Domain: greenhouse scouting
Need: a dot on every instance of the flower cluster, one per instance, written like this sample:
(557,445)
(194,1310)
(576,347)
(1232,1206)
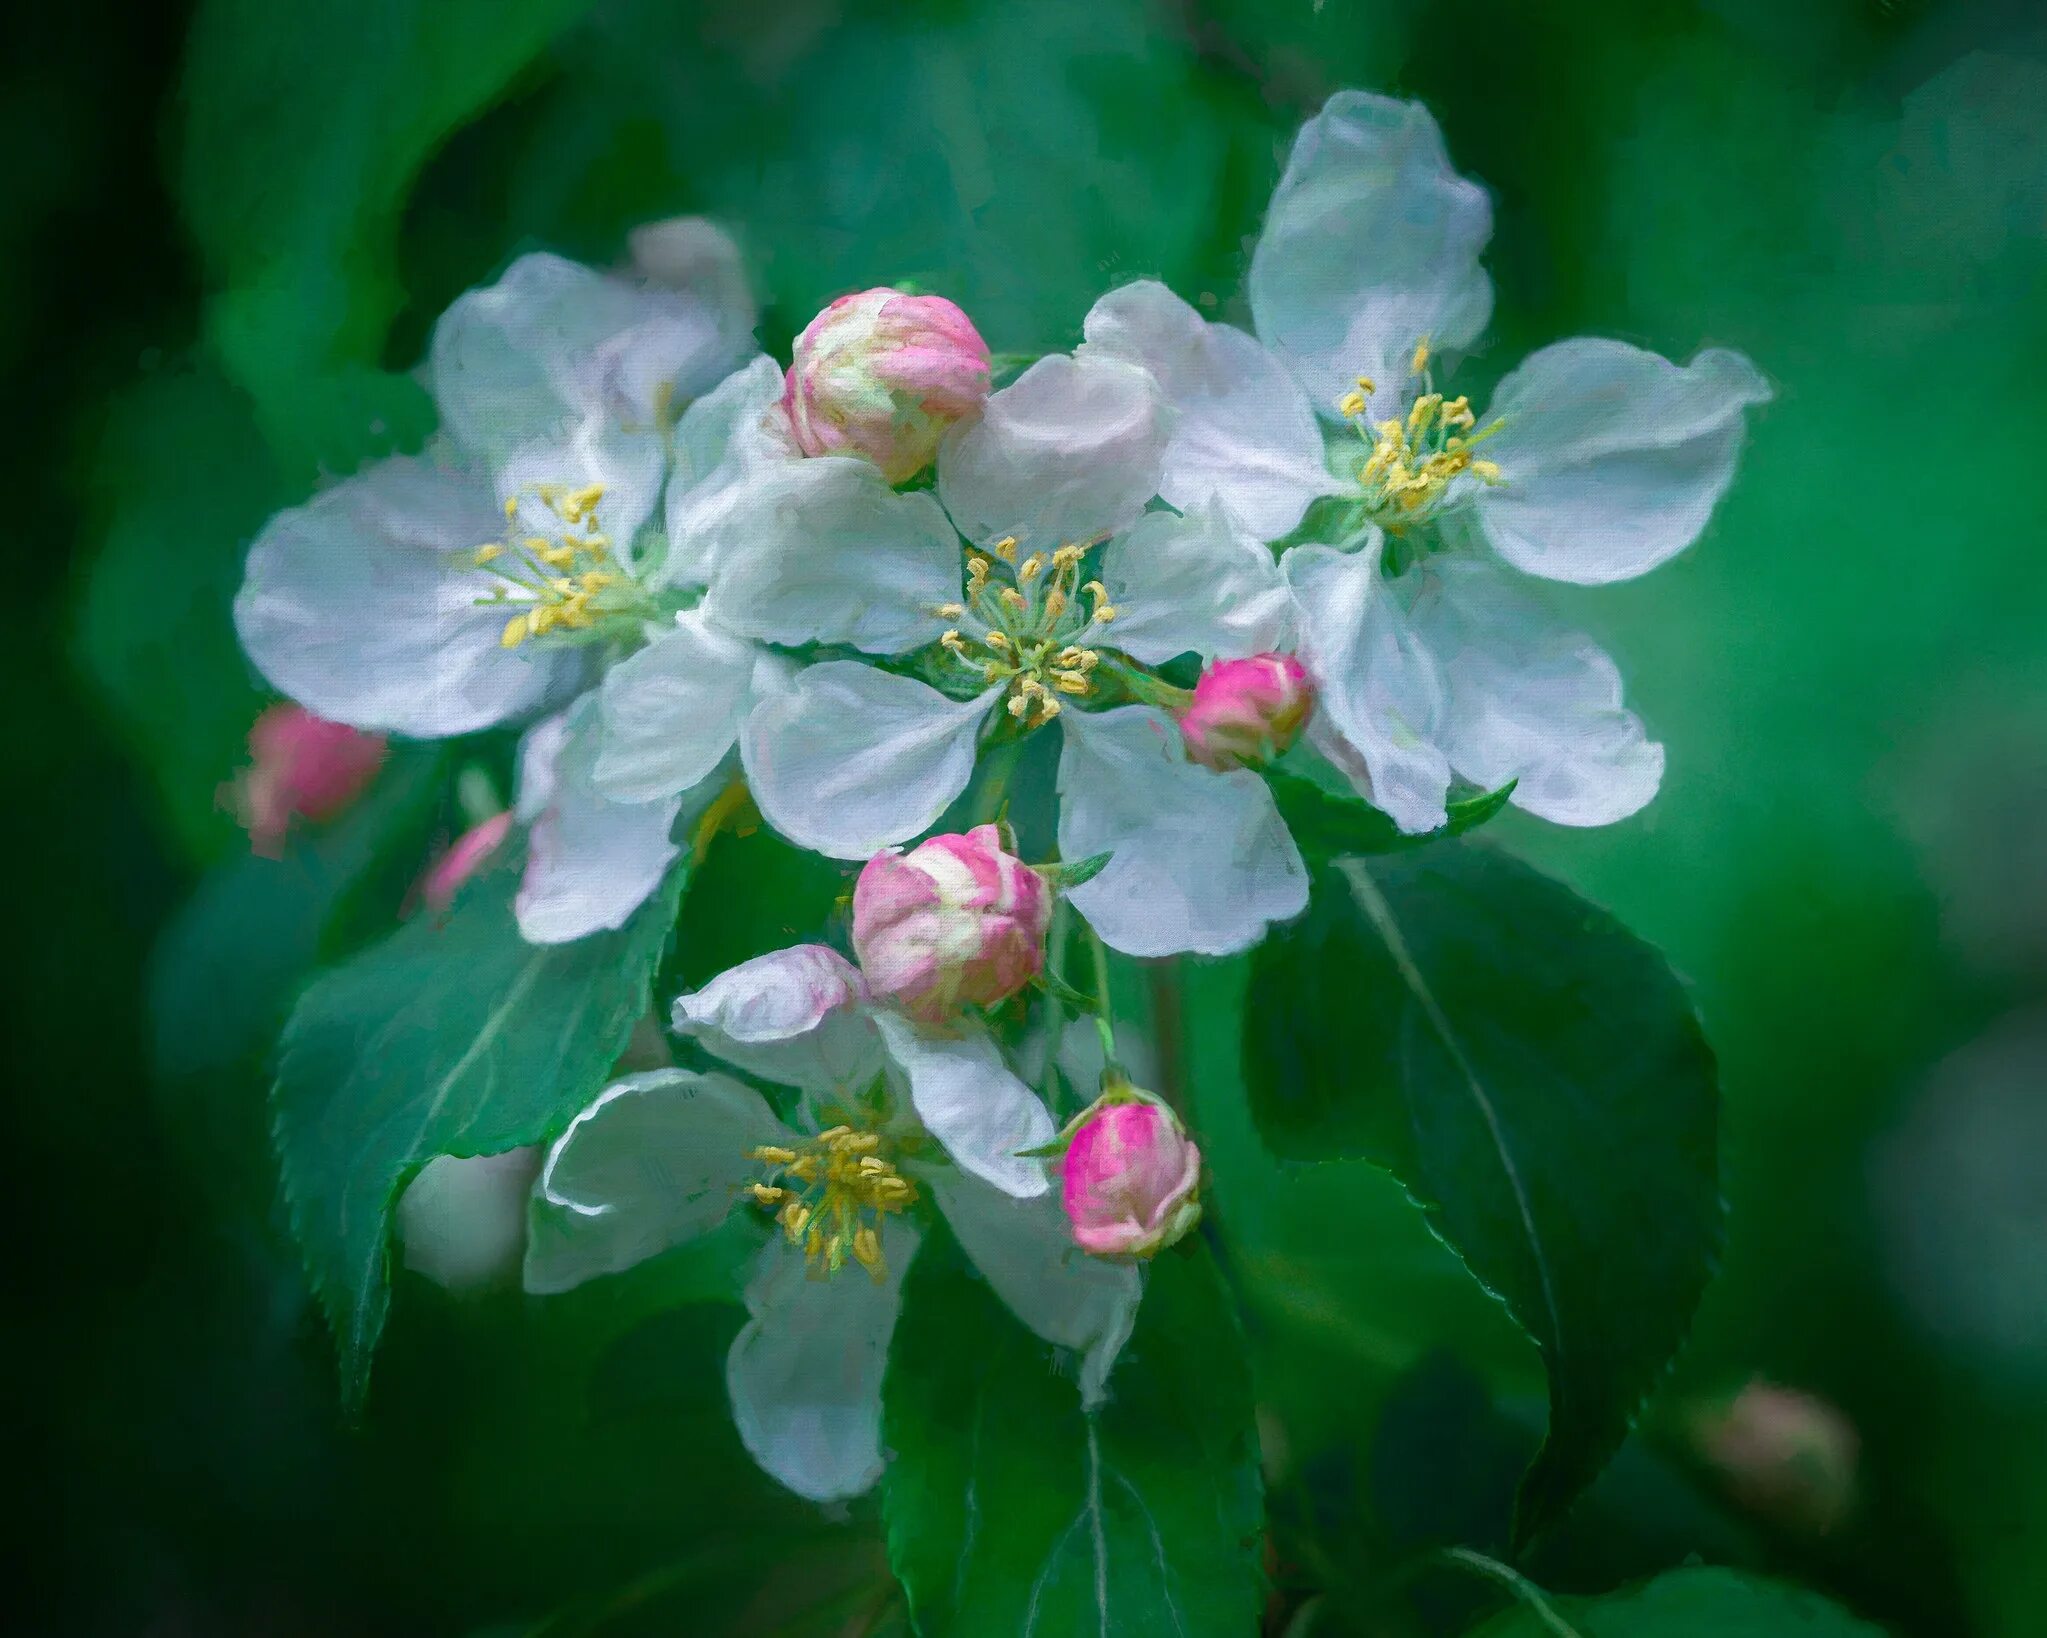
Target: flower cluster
(886,596)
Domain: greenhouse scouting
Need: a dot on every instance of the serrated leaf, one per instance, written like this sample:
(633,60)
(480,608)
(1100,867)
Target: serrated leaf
(1328,825)
(1701,1603)
(1534,1075)
(1010,1509)
(454,1036)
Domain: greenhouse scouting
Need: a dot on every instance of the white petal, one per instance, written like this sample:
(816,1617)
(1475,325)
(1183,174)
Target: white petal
(1531,700)
(851,760)
(970,1101)
(723,441)
(1613,457)
(363,605)
(462,1220)
(695,255)
(672,711)
(590,862)
(1200,861)
(522,361)
(1379,704)
(805,1372)
(792,1016)
(1070,450)
(656,1160)
(1025,1250)
(823,551)
(1197,583)
(1371,243)
(1243,431)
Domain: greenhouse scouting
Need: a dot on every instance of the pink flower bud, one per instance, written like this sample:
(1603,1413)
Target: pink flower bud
(300,767)
(463,857)
(956,919)
(1129,1177)
(1246,712)
(882,375)
(1786,1456)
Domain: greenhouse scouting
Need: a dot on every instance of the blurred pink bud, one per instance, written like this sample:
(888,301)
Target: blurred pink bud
(1246,712)
(956,919)
(1786,1456)
(462,858)
(883,375)
(1129,1178)
(300,767)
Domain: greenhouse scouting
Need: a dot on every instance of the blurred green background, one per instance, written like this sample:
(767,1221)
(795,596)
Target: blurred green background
(227,230)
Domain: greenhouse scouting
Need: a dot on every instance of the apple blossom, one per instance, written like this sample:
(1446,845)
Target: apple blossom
(1595,462)
(893,1116)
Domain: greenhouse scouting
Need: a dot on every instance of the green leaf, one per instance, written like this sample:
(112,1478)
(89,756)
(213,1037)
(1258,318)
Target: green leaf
(454,1036)
(1701,1603)
(305,128)
(1329,825)
(1011,1510)
(1064,877)
(1535,1077)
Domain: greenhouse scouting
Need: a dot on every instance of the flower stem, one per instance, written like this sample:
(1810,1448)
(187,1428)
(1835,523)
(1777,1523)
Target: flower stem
(1538,1601)
(1104,1025)
(998,767)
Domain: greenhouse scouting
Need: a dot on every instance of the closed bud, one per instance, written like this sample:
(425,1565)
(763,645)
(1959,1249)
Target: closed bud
(1786,1456)
(882,375)
(464,856)
(1130,1178)
(300,767)
(1246,712)
(957,919)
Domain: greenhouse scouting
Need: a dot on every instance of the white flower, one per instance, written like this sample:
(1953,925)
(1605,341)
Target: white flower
(662,1158)
(496,576)
(1596,462)
(852,758)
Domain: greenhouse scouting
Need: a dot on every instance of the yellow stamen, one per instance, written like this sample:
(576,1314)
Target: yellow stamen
(490,552)
(1030,568)
(1351,404)
(1005,548)
(950,611)
(515,631)
(1421,357)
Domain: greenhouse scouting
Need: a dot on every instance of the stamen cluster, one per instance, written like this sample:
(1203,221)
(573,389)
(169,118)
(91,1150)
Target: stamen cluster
(567,579)
(832,1192)
(1029,625)
(1414,460)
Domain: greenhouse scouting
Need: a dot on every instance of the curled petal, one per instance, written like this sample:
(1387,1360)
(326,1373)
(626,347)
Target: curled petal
(823,551)
(805,1372)
(366,606)
(1613,458)
(792,1016)
(1243,432)
(850,760)
(590,861)
(1533,701)
(971,1102)
(1379,690)
(1195,584)
(1372,243)
(1069,451)
(656,1160)
(1026,1252)
(1199,861)
(671,712)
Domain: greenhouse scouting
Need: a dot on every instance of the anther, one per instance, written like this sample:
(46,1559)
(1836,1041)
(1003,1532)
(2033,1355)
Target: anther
(1005,548)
